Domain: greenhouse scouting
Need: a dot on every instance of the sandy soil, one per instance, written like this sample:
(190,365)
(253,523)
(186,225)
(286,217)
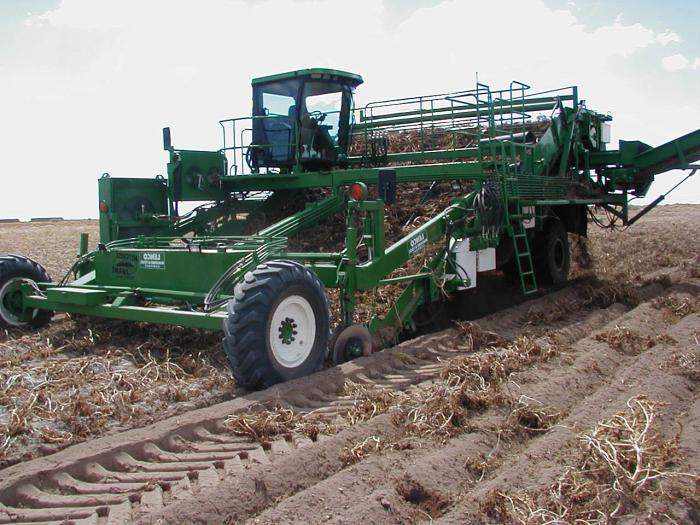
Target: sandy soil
(581,405)
(79,378)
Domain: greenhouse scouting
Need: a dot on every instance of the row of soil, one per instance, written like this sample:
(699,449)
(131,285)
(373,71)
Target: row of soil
(510,397)
(188,452)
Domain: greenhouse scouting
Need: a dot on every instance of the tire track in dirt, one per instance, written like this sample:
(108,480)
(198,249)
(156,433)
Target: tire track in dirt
(568,384)
(138,474)
(316,474)
(360,481)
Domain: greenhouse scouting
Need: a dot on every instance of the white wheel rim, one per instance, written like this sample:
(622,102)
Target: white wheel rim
(292,331)
(8,315)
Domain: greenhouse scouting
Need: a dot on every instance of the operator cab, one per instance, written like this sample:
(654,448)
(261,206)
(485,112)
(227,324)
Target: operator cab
(302,118)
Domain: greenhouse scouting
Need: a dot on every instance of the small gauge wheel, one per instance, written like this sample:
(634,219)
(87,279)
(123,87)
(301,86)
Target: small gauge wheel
(349,343)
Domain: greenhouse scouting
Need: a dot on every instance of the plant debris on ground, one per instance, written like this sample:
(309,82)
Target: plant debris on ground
(620,462)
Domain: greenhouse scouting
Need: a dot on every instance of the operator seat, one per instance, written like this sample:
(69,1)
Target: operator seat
(280,134)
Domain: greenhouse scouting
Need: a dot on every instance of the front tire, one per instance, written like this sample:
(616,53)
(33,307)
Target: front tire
(277,326)
(13,270)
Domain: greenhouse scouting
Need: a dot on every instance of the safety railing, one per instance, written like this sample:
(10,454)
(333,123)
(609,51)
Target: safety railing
(314,136)
(454,120)
(238,144)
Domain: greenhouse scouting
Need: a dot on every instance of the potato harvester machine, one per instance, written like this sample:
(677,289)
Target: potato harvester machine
(525,168)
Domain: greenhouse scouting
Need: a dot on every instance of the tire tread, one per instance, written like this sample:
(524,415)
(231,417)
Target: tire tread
(13,265)
(244,326)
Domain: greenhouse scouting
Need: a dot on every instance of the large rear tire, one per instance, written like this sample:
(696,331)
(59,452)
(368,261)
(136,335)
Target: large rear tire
(14,269)
(551,254)
(278,325)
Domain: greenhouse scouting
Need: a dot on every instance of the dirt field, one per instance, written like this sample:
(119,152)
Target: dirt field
(580,406)
(80,378)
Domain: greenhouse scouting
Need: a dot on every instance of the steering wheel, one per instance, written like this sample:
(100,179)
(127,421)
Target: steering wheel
(318,116)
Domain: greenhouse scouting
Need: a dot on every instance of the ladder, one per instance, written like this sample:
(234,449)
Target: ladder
(506,173)
(523,257)
(516,229)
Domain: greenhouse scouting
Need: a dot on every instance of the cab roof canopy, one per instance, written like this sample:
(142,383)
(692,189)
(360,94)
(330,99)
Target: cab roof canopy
(316,73)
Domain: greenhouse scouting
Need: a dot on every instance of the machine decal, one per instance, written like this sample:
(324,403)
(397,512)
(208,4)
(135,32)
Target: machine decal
(125,264)
(417,244)
(152,261)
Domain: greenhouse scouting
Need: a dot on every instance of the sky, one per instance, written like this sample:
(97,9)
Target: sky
(87,85)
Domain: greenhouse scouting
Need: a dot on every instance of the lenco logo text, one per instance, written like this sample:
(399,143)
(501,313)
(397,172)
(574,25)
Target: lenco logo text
(152,261)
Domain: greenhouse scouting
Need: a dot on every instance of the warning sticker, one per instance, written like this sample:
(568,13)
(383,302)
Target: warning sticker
(152,261)
(124,264)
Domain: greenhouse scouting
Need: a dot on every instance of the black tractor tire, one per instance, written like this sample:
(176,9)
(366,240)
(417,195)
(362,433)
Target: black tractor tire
(552,257)
(510,271)
(274,308)
(505,259)
(13,268)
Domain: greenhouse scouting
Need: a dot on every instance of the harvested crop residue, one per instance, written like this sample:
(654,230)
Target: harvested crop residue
(578,405)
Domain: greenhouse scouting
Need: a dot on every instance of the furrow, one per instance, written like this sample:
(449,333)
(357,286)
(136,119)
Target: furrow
(141,473)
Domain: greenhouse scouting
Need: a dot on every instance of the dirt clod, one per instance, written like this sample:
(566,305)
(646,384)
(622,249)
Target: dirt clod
(431,502)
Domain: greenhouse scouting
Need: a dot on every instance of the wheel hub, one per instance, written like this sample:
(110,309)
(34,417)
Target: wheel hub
(287,330)
(292,331)
(350,342)
(353,348)
(11,302)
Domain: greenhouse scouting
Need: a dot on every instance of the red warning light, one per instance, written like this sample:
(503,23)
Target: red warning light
(103,207)
(358,191)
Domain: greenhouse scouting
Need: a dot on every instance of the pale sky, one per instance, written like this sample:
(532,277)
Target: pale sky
(87,85)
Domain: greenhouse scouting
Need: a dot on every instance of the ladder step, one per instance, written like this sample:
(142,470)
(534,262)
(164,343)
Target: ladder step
(523,257)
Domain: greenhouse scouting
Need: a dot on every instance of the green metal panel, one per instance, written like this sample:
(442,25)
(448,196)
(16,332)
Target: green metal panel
(159,268)
(131,205)
(675,153)
(85,297)
(195,175)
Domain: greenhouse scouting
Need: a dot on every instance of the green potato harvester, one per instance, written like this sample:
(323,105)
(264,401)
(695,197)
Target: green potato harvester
(208,246)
